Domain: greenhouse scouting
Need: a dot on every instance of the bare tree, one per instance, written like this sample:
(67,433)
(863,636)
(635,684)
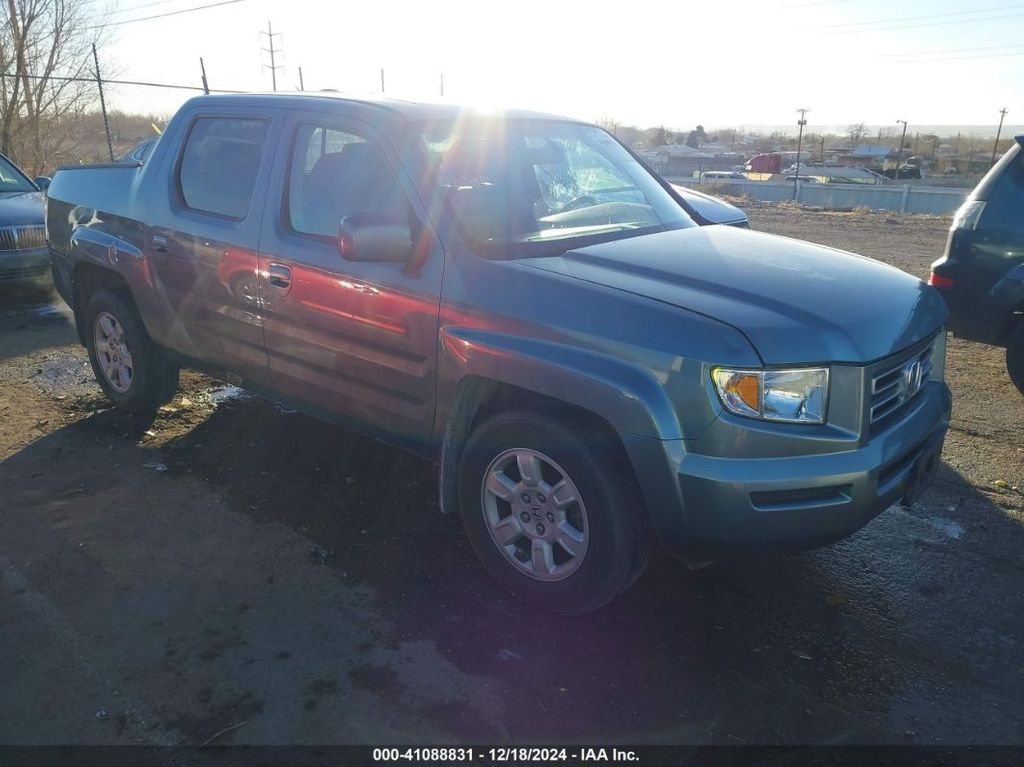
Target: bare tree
(856,132)
(44,46)
(610,124)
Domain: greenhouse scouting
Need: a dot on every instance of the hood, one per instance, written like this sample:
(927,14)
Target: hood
(798,303)
(714,209)
(22,209)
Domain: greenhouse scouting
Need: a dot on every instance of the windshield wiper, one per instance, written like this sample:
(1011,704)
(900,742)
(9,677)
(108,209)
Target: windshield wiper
(555,234)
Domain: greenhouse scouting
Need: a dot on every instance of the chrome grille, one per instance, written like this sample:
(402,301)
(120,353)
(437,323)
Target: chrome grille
(22,237)
(899,383)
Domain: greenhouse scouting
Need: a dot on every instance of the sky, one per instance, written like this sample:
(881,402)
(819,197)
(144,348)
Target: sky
(733,63)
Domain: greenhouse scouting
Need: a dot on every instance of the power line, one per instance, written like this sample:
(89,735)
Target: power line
(795,6)
(131,8)
(970,49)
(960,58)
(120,82)
(98,16)
(919,26)
(165,15)
(918,18)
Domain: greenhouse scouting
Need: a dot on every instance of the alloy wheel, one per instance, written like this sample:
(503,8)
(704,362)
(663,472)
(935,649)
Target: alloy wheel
(535,514)
(112,352)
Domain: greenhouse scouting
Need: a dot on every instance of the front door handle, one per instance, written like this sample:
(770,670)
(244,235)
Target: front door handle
(279,276)
(159,243)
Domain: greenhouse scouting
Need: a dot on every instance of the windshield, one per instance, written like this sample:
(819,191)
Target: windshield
(534,187)
(11,180)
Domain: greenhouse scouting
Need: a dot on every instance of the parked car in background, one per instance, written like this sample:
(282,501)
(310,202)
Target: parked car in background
(714,210)
(23,253)
(139,152)
(516,297)
(981,274)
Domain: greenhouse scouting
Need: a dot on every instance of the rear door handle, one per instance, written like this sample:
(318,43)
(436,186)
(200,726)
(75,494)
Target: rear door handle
(279,275)
(159,243)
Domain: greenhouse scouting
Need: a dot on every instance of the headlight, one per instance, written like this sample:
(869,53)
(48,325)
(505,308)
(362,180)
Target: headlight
(796,396)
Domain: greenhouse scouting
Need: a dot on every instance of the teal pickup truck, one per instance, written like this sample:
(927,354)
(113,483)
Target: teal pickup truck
(517,297)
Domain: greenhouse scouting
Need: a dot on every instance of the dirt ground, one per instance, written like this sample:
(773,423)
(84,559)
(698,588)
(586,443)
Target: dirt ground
(240,572)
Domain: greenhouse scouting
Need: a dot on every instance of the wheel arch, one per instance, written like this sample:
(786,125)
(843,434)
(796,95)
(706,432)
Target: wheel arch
(88,277)
(485,373)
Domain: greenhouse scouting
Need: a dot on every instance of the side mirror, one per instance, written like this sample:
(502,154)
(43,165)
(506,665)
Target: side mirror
(374,237)
(43,182)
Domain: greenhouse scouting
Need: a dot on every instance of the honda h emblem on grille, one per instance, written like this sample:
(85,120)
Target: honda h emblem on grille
(913,373)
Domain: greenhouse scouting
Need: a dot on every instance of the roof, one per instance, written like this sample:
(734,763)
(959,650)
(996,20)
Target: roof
(867,150)
(412,111)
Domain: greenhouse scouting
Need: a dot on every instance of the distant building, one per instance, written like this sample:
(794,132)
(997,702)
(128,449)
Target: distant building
(871,152)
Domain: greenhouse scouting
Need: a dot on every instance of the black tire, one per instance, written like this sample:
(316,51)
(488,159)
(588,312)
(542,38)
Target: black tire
(1015,357)
(154,379)
(618,540)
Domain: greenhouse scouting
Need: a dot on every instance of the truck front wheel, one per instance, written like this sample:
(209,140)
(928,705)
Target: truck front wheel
(128,366)
(552,511)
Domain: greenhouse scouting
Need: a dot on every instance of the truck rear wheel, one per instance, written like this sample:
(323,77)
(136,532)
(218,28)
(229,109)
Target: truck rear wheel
(552,511)
(128,366)
(1015,357)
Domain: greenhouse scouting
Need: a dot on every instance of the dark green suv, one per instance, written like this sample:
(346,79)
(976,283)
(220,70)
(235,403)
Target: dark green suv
(981,274)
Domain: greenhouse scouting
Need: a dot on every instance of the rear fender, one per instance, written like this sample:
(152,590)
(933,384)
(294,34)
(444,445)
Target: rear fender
(1009,293)
(91,242)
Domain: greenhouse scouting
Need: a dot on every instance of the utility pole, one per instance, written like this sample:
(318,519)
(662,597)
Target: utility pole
(273,67)
(202,68)
(302,85)
(442,85)
(382,79)
(823,147)
(799,144)
(995,147)
(103,103)
(899,154)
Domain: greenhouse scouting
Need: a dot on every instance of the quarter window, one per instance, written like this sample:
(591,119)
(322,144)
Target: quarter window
(336,174)
(220,163)
(1004,210)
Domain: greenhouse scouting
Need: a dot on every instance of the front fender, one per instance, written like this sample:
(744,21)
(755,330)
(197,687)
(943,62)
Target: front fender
(625,395)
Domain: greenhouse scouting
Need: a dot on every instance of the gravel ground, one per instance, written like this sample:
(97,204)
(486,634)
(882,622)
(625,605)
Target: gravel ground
(238,571)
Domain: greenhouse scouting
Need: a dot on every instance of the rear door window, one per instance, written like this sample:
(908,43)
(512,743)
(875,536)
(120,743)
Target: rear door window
(220,163)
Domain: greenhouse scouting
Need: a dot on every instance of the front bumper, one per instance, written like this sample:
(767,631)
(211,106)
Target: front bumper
(18,265)
(724,507)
